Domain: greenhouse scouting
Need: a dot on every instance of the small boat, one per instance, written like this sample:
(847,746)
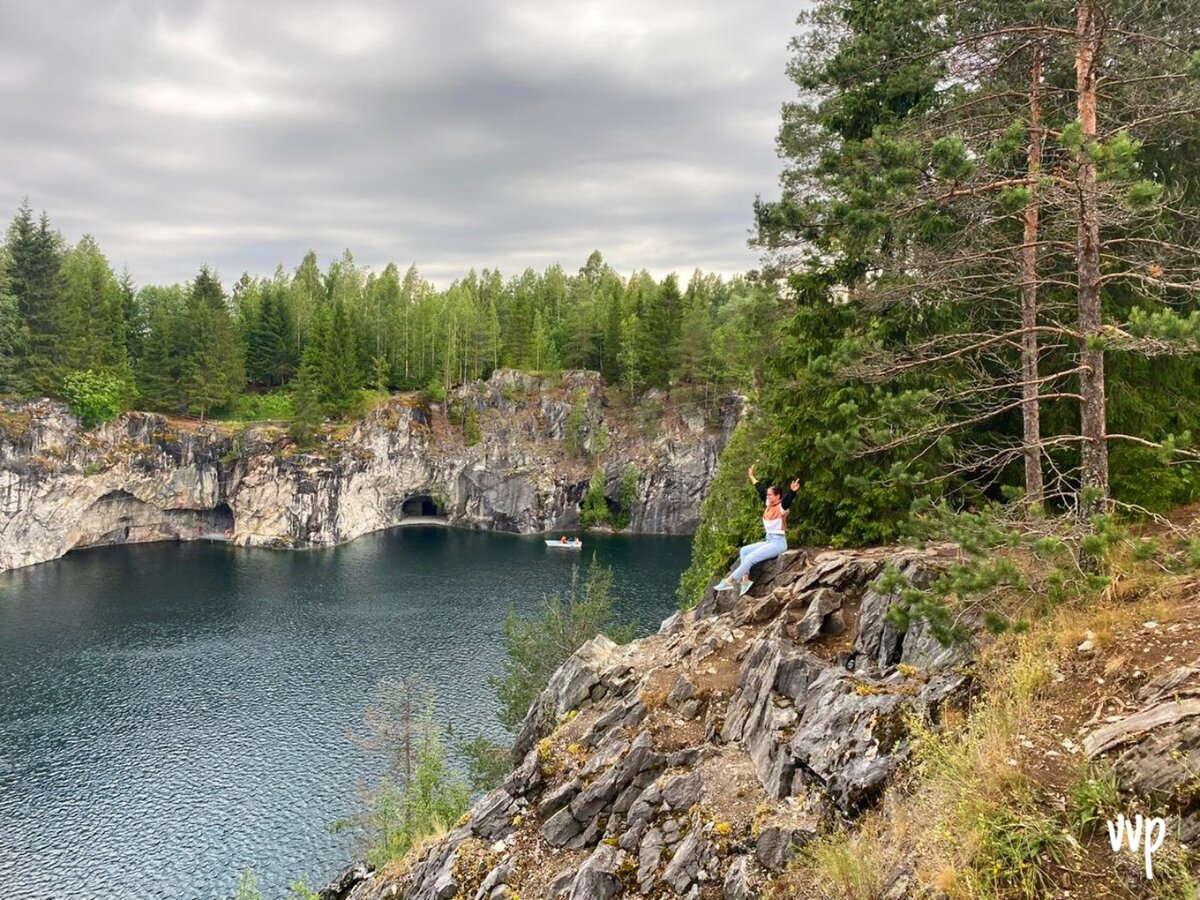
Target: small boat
(569,545)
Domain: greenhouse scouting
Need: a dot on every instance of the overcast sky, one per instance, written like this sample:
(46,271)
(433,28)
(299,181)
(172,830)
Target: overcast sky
(452,133)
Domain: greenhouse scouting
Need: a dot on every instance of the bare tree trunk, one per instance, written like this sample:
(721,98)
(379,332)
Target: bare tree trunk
(1030,412)
(1093,427)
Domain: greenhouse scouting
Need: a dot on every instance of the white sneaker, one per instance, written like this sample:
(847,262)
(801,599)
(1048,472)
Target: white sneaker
(743,587)
(724,585)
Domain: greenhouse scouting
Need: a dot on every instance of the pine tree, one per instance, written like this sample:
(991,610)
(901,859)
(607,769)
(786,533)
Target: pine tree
(214,363)
(12,335)
(306,406)
(34,258)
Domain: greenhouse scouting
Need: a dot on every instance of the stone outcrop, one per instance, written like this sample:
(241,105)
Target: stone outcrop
(147,477)
(698,761)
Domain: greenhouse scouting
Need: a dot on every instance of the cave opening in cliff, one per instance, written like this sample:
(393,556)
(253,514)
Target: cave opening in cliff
(421,505)
(220,518)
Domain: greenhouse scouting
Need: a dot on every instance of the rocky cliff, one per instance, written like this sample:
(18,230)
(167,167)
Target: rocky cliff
(695,762)
(698,762)
(514,453)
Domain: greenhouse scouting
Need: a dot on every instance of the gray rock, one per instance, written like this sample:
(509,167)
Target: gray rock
(559,797)
(495,880)
(682,792)
(588,837)
(776,846)
(493,815)
(738,884)
(560,828)
(682,690)
(569,686)
(649,857)
(684,866)
(835,624)
(593,799)
(1158,765)
(597,878)
(346,880)
(690,709)
(560,884)
(849,742)
(821,603)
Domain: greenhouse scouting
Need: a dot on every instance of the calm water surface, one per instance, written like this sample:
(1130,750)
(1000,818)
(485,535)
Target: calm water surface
(172,714)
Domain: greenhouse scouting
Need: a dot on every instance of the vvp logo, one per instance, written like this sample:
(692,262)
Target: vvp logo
(1149,833)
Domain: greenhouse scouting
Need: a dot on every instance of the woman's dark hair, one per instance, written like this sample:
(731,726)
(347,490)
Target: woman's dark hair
(776,489)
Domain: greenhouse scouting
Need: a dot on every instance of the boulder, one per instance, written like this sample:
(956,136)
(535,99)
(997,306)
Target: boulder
(597,878)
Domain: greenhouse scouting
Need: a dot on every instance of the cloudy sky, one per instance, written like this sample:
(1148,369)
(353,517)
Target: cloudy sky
(449,133)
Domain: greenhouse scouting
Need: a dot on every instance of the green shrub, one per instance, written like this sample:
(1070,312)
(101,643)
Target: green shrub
(577,425)
(487,761)
(730,514)
(95,397)
(421,795)
(275,406)
(248,888)
(435,391)
(539,645)
(1019,846)
(594,508)
(1094,800)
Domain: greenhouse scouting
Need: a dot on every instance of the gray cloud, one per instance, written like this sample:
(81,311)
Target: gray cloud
(453,134)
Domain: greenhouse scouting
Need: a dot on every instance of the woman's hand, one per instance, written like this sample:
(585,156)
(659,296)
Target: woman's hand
(795,485)
(750,472)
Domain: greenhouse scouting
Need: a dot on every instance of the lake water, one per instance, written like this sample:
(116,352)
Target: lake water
(172,714)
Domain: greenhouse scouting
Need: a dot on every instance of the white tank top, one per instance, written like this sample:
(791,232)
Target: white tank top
(774,526)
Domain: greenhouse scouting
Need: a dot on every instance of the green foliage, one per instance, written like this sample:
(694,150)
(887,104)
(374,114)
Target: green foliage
(729,514)
(95,397)
(248,887)
(421,795)
(299,890)
(471,429)
(594,507)
(306,408)
(1094,799)
(435,392)
(631,477)
(537,646)
(275,406)
(1019,848)
(578,426)
(488,763)
(213,364)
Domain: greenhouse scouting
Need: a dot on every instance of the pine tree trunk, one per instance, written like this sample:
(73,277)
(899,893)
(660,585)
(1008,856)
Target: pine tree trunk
(1093,427)
(1030,413)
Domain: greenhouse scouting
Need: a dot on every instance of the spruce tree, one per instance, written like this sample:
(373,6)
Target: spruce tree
(214,363)
(34,258)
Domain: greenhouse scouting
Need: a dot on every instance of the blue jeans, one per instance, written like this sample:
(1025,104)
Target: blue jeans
(756,553)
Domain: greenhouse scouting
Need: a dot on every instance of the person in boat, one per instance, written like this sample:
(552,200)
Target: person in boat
(577,542)
(563,539)
(774,524)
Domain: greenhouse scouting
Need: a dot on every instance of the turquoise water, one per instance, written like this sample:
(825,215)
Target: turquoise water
(172,714)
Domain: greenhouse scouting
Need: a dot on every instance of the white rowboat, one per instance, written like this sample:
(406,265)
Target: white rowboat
(570,545)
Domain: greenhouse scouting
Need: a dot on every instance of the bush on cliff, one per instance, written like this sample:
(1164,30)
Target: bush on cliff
(421,795)
(539,645)
(95,397)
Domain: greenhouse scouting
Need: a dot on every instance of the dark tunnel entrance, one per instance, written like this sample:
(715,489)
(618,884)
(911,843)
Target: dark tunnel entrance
(421,505)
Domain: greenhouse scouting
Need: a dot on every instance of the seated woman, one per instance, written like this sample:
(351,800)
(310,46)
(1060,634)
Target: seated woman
(774,524)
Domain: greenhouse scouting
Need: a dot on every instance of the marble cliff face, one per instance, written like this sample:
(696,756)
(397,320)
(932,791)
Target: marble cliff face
(523,466)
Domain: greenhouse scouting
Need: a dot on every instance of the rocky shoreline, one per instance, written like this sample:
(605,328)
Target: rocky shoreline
(147,477)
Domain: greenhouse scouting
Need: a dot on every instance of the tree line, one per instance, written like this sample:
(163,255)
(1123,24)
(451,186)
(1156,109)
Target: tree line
(989,230)
(326,334)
